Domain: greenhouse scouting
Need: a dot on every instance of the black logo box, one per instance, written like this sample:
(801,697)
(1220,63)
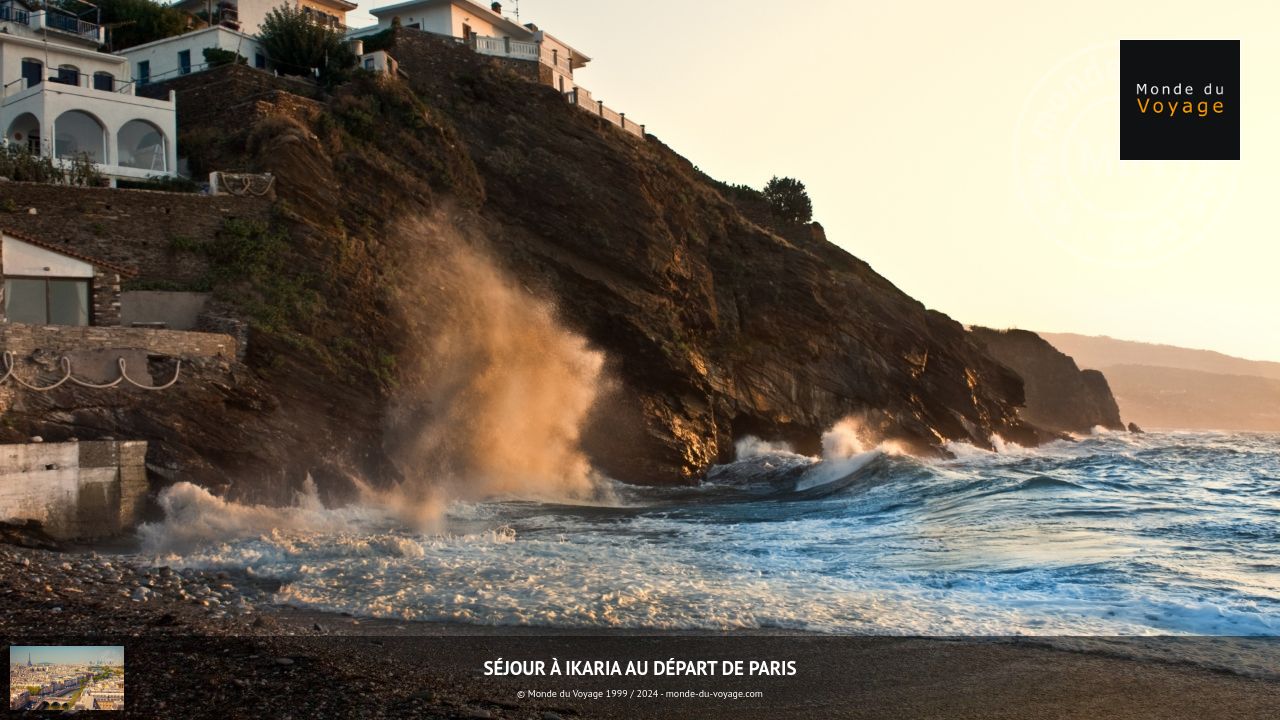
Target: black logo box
(1194,63)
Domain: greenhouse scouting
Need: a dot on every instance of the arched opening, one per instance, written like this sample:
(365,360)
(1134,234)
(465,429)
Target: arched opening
(139,144)
(104,81)
(24,131)
(77,132)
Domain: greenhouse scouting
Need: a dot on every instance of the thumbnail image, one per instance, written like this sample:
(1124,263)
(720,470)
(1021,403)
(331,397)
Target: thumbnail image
(66,677)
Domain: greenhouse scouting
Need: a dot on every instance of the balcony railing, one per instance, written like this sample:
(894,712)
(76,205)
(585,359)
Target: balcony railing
(69,24)
(9,13)
(505,47)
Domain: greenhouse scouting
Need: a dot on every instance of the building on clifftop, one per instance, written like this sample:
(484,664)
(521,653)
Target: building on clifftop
(62,98)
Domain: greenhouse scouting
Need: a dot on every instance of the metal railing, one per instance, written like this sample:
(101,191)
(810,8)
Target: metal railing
(69,23)
(9,13)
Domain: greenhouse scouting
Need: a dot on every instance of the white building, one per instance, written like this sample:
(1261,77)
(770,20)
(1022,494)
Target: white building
(488,31)
(172,57)
(62,97)
(247,15)
(234,28)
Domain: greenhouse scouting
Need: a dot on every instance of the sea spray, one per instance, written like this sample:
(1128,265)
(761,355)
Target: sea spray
(491,396)
(493,392)
(193,517)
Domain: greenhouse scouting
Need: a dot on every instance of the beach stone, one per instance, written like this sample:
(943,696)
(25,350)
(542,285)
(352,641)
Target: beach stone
(284,661)
(476,713)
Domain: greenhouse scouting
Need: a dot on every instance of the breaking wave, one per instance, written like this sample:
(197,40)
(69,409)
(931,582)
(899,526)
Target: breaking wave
(1112,535)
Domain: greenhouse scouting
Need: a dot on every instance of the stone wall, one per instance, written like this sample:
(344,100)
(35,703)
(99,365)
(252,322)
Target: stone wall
(213,92)
(23,340)
(141,229)
(75,490)
(106,298)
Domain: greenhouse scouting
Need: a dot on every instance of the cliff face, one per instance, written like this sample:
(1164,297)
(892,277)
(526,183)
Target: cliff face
(714,322)
(1060,396)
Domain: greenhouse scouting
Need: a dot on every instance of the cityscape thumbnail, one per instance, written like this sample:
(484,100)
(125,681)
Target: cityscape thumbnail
(66,677)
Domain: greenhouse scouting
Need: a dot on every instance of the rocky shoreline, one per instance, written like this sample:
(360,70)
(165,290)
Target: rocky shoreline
(211,644)
(205,644)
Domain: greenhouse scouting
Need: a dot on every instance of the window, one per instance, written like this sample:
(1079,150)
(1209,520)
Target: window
(260,61)
(369,64)
(68,75)
(32,71)
(184,62)
(47,301)
(104,81)
(144,72)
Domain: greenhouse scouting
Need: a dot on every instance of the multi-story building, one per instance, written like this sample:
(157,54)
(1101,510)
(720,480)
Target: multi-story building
(60,97)
(489,32)
(247,15)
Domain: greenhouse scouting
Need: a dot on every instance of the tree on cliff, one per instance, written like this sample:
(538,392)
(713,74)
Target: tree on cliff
(135,22)
(789,200)
(298,46)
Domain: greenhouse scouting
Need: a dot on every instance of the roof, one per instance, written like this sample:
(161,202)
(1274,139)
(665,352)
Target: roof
(489,15)
(187,36)
(62,250)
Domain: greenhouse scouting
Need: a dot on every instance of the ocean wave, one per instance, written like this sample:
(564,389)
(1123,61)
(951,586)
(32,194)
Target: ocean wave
(1109,535)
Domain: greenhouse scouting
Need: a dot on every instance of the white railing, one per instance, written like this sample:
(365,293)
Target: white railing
(532,51)
(581,97)
(553,59)
(506,47)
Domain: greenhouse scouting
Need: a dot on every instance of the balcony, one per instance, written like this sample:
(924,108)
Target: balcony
(522,50)
(12,13)
(65,22)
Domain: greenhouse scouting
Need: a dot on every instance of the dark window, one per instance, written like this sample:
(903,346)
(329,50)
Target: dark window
(184,62)
(144,72)
(32,72)
(259,60)
(47,301)
(68,75)
(104,81)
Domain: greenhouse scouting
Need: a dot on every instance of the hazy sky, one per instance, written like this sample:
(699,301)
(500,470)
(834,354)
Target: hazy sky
(969,151)
(66,654)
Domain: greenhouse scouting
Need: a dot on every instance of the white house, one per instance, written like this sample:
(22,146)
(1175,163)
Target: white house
(234,27)
(172,57)
(488,31)
(247,15)
(62,97)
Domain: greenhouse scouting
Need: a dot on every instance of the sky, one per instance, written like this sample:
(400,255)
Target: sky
(66,654)
(969,151)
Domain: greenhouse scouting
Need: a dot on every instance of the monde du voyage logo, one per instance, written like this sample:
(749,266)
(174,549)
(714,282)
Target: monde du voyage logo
(1179,99)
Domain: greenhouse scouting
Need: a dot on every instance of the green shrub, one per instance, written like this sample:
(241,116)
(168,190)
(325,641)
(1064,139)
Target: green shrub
(297,46)
(19,163)
(217,57)
(788,200)
(136,22)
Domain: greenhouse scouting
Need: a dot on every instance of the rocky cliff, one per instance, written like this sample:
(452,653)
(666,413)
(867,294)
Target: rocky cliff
(713,322)
(1060,396)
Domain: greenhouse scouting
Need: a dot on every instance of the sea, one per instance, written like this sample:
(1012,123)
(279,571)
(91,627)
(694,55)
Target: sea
(1110,534)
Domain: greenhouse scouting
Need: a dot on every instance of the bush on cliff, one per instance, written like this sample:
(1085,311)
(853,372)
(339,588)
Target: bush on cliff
(789,200)
(298,46)
(135,22)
